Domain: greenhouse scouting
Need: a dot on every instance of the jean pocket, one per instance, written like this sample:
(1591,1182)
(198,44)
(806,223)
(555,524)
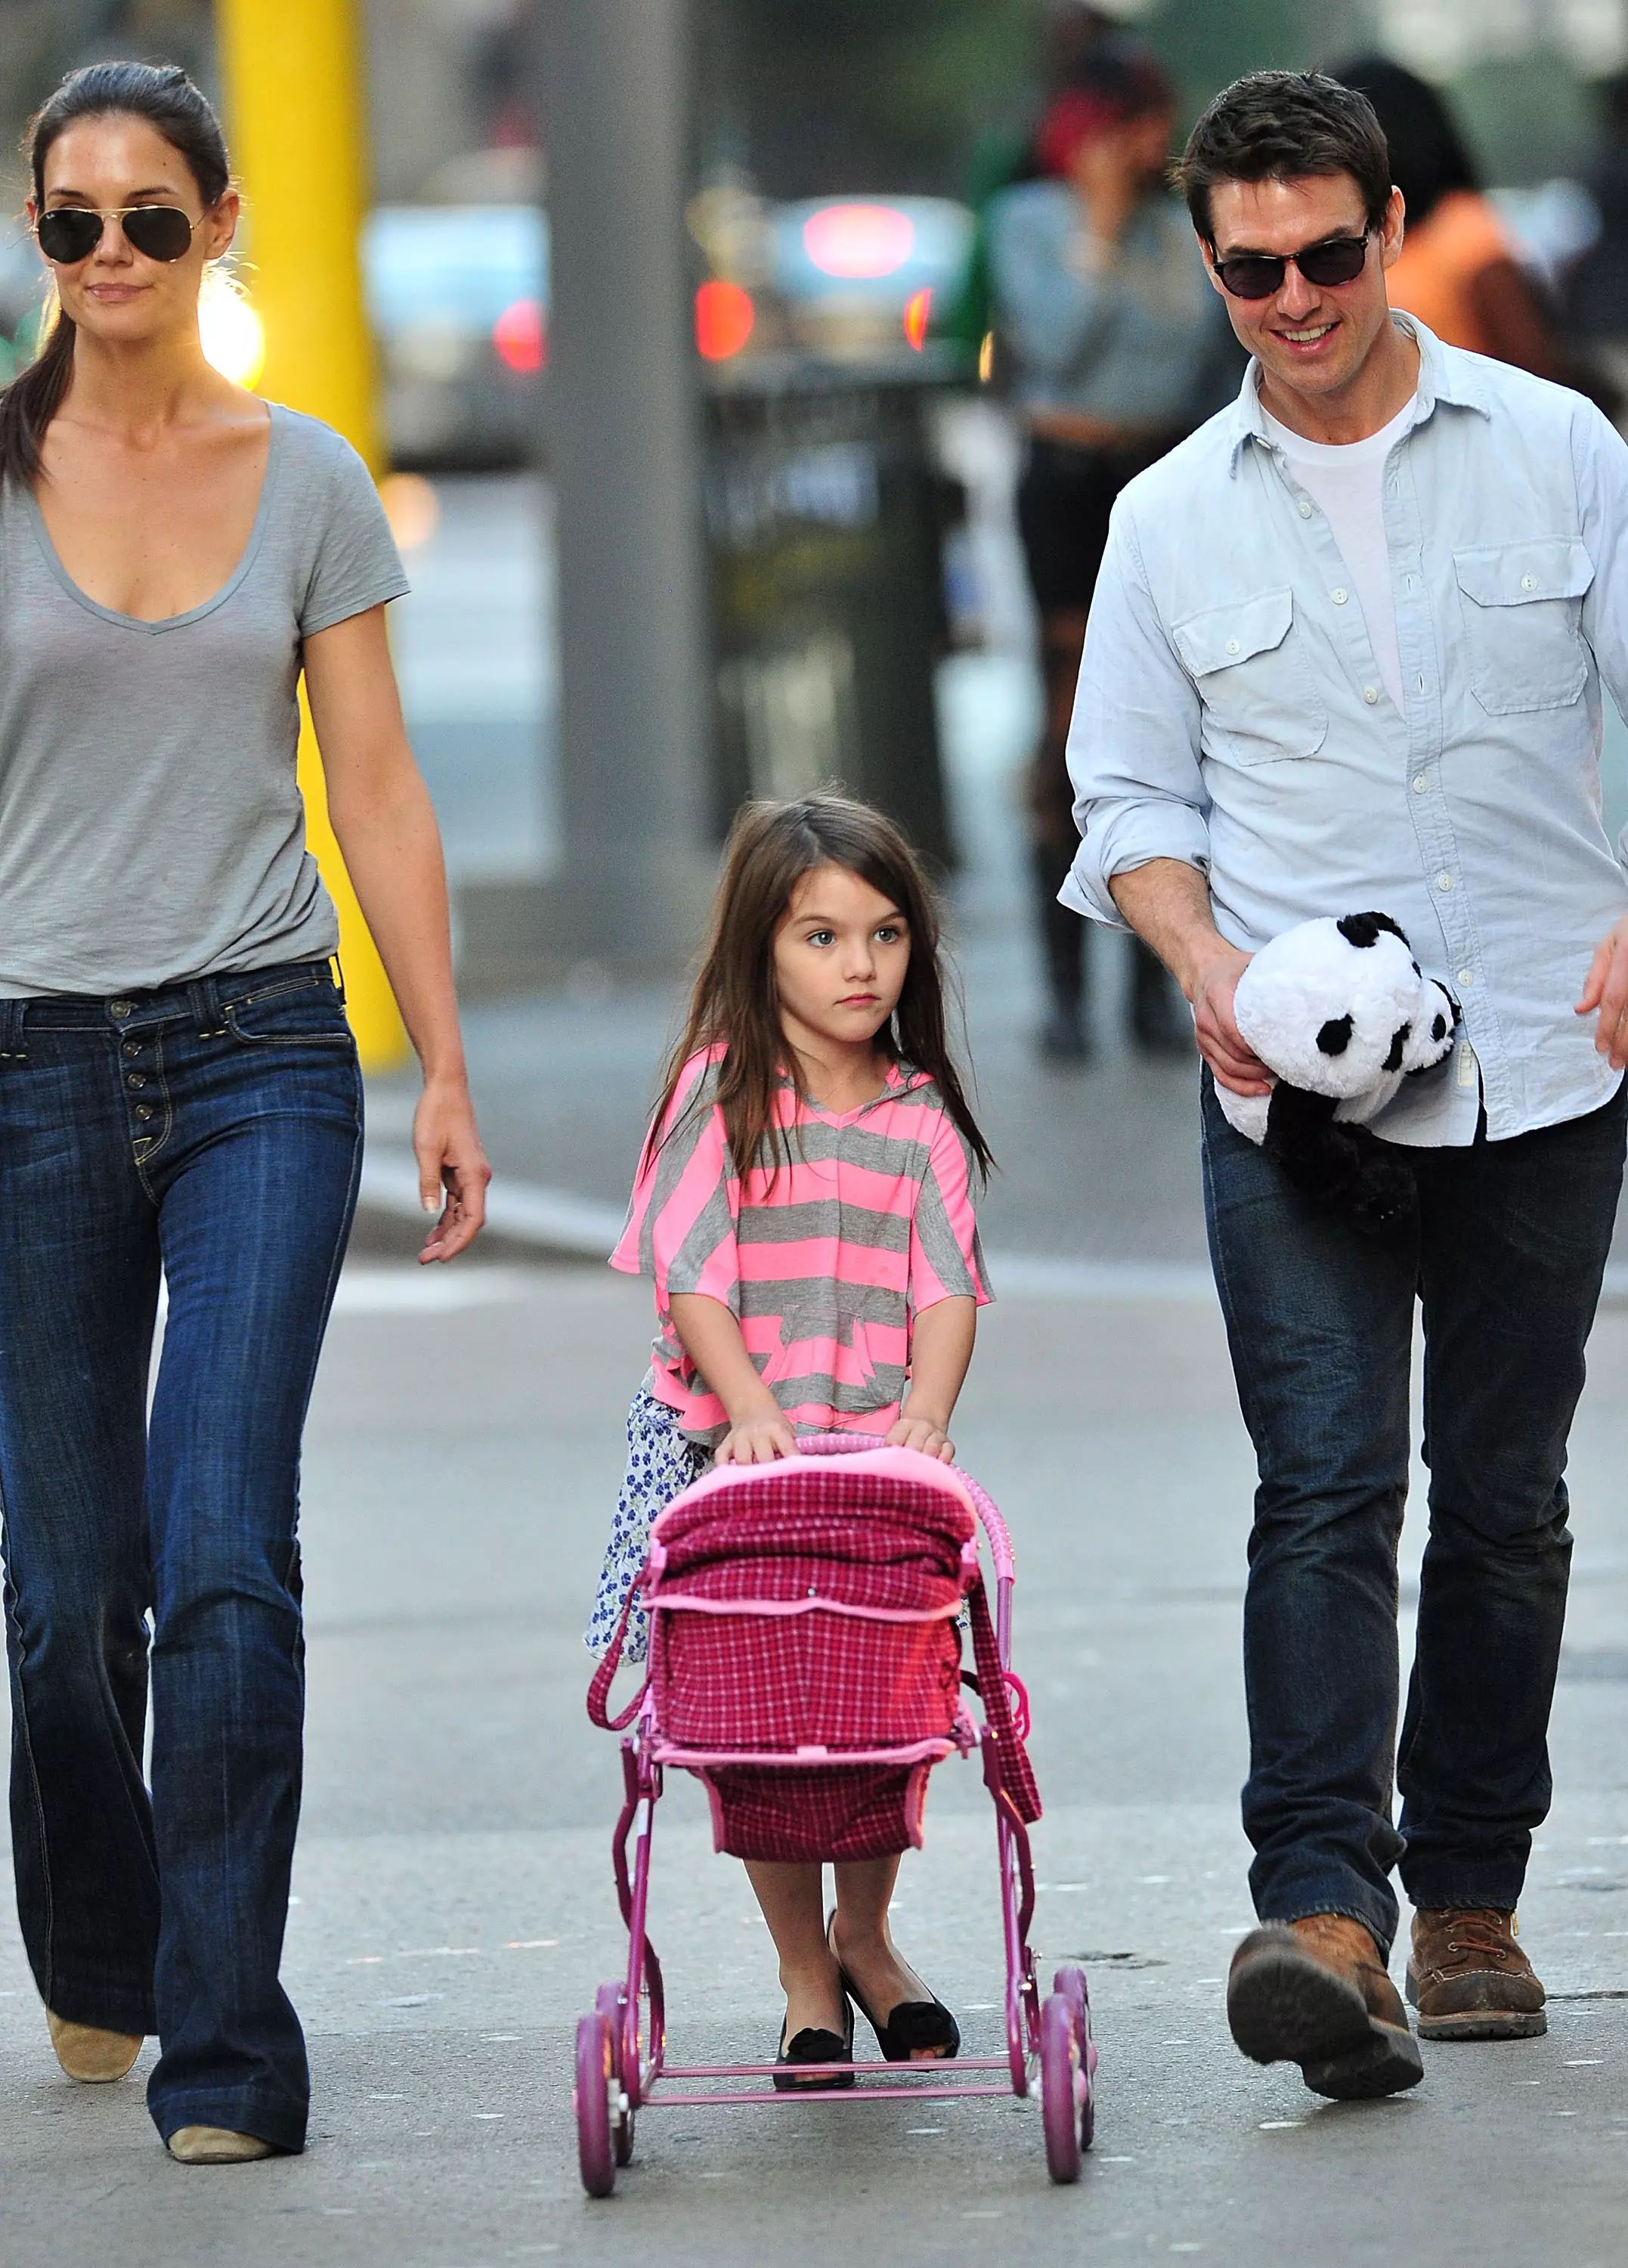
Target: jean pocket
(1250,665)
(308,1014)
(1522,607)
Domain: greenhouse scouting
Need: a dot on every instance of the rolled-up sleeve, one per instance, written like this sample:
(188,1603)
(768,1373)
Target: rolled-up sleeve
(1134,741)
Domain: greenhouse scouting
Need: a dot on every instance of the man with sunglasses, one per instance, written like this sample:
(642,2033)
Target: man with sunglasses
(1347,652)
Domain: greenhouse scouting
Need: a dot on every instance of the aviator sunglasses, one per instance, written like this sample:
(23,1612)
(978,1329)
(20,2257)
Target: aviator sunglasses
(70,233)
(1259,275)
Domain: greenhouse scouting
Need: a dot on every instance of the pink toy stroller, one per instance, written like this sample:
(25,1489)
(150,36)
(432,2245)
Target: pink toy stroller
(805,1666)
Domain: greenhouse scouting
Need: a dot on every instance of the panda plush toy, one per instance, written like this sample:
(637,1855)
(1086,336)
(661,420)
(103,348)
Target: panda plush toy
(1341,1013)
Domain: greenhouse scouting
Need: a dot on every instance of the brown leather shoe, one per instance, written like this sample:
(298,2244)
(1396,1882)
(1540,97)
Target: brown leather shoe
(86,2052)
(217,2145)
(1469,1980)
(1317,1993)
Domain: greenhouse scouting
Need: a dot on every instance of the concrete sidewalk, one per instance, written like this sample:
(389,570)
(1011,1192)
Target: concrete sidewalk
(456,1909)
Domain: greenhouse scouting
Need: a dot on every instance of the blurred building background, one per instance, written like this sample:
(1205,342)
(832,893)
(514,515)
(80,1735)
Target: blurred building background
(852,459)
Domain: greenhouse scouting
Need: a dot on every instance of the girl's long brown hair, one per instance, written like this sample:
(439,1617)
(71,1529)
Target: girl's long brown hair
(771,847)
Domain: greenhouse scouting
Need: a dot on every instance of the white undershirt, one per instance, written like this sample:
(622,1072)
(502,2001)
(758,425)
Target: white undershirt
(1347,480)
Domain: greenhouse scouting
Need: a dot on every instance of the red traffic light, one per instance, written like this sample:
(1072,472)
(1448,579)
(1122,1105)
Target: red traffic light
(517,336)
(724,317)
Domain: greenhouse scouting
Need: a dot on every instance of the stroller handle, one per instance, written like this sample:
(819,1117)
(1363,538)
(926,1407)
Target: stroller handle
(837,1445)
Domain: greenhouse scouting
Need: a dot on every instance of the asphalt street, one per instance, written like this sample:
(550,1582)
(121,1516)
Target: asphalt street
(455,1909)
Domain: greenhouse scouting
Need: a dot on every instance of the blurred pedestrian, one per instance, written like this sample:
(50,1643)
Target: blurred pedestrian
(179,1101)
(1071,32)
(1347,654)
(1101,304)
(1596,284)
(1458,269)
(829,1283)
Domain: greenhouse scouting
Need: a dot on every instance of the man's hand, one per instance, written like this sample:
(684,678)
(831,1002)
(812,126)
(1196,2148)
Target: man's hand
(1223,1047)
(756,1439)
(1168,902)
(1606,989)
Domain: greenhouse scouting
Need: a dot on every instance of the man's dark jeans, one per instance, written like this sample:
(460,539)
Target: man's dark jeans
(213,1130)
(1506,1256)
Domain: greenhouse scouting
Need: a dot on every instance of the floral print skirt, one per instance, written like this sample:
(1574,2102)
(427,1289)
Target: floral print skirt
(660,1462)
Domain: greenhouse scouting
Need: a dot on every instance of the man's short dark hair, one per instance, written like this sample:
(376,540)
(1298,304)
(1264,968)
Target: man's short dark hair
(1281,126)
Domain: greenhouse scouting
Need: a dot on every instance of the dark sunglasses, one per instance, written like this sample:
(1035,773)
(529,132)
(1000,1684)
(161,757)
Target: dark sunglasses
(1259,275)
(70,233)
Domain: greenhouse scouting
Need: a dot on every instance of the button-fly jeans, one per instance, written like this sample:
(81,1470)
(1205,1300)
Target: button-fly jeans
(1506,1256)
(212,1133)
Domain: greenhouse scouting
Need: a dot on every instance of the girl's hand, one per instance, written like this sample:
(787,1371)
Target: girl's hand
(757,1439)
(926,1434)
(452,1170)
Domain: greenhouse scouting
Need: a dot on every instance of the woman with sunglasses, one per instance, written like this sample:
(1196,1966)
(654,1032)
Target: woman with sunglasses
(179,1095)
(1115,348)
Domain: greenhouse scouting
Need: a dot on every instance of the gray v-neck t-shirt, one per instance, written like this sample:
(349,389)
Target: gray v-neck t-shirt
(151,825)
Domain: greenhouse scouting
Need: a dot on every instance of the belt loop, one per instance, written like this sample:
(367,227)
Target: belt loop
(13,1014)
(336,970)
(203,999)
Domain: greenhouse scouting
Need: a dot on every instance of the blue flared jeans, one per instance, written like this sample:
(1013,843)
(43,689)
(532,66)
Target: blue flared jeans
(1505,1255)
(208,1136)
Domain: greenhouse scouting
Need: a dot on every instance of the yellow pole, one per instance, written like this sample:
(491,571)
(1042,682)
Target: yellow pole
(295,120)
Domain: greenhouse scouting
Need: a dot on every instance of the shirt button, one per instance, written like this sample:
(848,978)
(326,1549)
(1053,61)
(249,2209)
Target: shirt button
(1444,881)
(1305,507)
(1339,597)
(1529,582)
(1466,976)
(1232,645)
(121,1008)
(1421,785)
(1370,694)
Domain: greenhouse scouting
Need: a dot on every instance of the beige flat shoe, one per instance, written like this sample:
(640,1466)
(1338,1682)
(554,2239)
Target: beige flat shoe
(89,2054)
(217,2145)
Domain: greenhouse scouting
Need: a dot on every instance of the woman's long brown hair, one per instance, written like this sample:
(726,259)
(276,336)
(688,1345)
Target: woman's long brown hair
(735,1002)
(162,96)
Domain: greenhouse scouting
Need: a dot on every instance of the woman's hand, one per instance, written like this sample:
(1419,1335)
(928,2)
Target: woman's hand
(1108,171)
(452,1170)
(757,1439)
(923,1434)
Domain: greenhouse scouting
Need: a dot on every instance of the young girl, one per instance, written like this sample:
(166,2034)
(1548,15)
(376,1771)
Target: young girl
(832,1283)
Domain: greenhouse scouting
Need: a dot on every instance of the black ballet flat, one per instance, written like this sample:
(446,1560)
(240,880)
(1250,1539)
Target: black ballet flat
(914,2027)
(814,2046)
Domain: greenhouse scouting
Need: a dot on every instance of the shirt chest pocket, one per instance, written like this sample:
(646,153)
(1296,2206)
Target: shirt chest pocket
(1521,605)
(1254,678)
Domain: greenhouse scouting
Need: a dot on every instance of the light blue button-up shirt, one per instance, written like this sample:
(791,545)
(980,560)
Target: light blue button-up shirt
(1230,713)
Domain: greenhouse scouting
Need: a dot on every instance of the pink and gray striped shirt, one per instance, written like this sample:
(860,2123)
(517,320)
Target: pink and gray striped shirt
(824,1263)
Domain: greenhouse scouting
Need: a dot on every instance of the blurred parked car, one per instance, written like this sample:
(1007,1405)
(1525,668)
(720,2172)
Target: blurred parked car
(832,281)
(22,295)
(861,276)
(459,298)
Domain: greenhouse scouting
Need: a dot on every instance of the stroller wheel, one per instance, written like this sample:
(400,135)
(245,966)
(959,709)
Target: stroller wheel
(595,2079)
(1072,1985)
(608,2001)
(1063,2093)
